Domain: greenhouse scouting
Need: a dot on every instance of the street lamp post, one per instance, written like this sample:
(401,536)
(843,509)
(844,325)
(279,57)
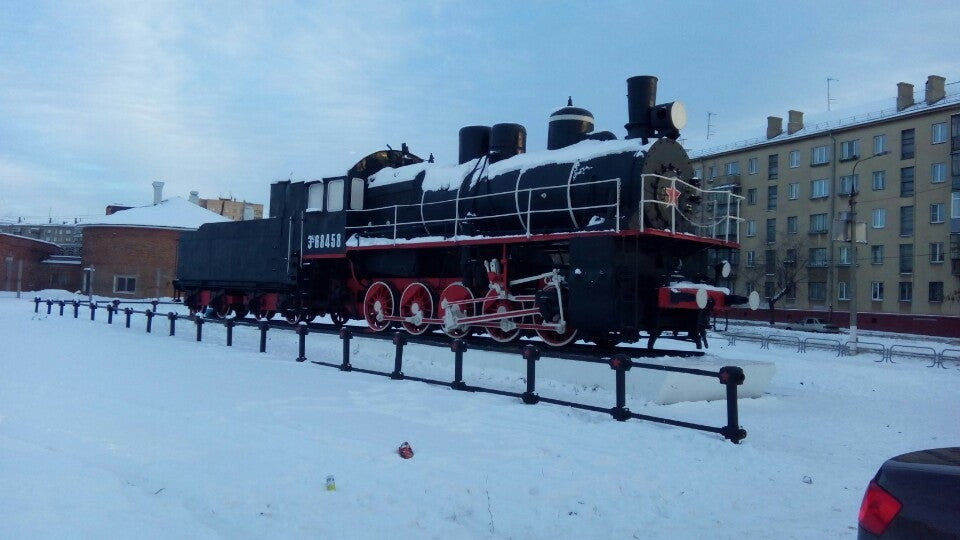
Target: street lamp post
(854,191)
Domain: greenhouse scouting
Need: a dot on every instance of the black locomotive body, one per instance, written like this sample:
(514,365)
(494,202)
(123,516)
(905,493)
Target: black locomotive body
(596,238)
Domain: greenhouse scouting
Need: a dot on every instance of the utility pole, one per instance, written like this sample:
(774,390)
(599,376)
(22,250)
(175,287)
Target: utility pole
(829,99)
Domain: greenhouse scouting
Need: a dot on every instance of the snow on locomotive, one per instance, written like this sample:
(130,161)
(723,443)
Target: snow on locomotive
(595,238)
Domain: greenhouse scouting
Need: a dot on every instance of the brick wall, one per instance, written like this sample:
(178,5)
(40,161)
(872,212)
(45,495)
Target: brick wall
(147,255)
(15,250)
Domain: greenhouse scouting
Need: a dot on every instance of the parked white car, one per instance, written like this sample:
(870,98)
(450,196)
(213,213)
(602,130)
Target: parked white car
(813,324)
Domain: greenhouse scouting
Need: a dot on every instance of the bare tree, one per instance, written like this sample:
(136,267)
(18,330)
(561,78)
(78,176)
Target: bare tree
(779,271)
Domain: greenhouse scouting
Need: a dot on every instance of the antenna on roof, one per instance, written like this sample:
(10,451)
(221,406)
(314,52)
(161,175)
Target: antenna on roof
(710,131)
(830,99)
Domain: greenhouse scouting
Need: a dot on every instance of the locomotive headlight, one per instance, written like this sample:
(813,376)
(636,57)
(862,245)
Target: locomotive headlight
(669,116)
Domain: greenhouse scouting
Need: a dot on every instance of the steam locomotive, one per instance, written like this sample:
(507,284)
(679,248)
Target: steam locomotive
(596,238)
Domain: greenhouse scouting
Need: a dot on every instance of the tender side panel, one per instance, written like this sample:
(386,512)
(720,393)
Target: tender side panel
(242,252)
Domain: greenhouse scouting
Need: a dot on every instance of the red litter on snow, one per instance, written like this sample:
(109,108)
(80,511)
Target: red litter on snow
(405,451)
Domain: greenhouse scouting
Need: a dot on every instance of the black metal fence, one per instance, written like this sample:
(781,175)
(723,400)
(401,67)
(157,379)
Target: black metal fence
(730,377)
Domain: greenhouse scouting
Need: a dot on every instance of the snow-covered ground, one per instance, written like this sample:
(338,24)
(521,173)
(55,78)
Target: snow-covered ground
(108,432)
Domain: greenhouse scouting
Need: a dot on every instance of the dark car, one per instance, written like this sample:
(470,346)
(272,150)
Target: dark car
(916,495)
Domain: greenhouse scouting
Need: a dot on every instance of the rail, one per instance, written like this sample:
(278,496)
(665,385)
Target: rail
(730,377)
(720,225)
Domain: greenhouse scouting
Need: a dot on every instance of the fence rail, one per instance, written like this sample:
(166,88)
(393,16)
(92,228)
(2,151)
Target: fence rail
(729,376)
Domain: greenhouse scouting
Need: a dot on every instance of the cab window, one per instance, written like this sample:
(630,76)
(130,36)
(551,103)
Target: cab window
(356,194)
(315,197)
(335,195)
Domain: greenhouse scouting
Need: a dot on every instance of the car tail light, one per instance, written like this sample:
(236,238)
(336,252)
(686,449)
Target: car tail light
(878,509)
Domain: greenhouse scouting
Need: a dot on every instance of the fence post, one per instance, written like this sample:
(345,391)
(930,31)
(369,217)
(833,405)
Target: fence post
(154,304)
(173,320)
(128,312)
(732,377)
(110,313)
(302,331)
(399,339)
(199,323)
(61,307)
(36,307)
(531,353)
(76,309)
(346,335)
(93,311)
(621,363)
(229,323)
(149,314)
(49,306)
(264,326)
(458,346)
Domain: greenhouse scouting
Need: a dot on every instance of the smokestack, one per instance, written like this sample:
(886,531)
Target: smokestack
(794,122)
(904,96)
(641,97)
(195,197)
(774,126)
(157,192)
(935,89)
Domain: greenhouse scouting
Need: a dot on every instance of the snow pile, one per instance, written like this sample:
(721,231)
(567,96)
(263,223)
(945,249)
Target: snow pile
(112,432)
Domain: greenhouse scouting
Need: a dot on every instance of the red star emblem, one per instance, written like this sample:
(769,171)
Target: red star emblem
(673,195)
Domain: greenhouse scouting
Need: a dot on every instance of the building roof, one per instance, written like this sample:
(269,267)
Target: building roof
(882,110)
(173,213)
(37,240)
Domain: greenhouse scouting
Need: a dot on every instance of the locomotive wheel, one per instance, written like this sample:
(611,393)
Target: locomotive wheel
(292,316)
(221,308)
(552,337)
(455,292)
(378,303)
(265,314)
(503,331)
(417,302)
(339,319)
(240,312)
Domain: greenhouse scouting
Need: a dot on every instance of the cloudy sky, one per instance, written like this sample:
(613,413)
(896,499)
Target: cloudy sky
(99,99)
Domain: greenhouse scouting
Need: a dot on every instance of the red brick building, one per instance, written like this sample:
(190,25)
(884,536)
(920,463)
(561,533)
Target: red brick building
(27,264)
(133,253)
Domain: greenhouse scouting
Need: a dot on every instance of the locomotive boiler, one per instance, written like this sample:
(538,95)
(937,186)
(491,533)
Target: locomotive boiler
(597,238)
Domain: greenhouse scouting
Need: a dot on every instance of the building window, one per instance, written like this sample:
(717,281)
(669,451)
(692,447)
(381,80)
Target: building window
(843,291)
(936,252)
(770,262)
(906,291)
(771,197)
(876,254)
(879,218)
(821,155)
(818,257)
(906,221)
(711,172)
(879,144)
(907,145)
(939,133)
(733,168)
(771,231)
(879,180)
(936,291)
(849,185)
(752,227)
(794,189)
(819,188)
(938,173)
(955,165)
(817,291)
(752,165)
(698,173)
(850,150)
(906,258)
(792,226)
(818,223)
(906,182)
(751,258)
(936,213)
(124,284)
(876,291)
(752,196)
(773,166)
(843,256)
(794,159)
(955,205)
(790,258)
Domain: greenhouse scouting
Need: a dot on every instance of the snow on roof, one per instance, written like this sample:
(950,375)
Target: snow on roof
(864,113)
(39,241)
(173,213)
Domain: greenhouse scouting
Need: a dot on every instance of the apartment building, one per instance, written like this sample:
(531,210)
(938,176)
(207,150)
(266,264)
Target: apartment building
(888,178)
